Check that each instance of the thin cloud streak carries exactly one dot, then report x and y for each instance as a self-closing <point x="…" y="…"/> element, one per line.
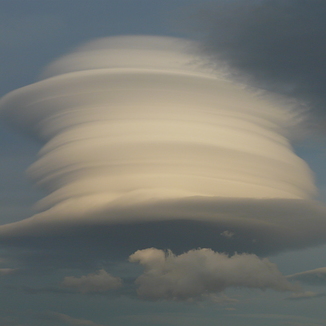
<point x="92" y="283"/>
<point x="313" y="277"/>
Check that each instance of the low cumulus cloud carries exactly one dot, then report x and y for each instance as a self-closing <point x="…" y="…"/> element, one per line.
<point x="200" y="272"/>
<point x="92" y="283"/>
<point x="141" y="138"/>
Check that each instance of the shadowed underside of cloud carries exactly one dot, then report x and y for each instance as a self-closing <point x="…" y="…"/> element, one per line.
<point x="259" y="226"/>
<point x="275" y="44"/>
<point x="144" y="147"/>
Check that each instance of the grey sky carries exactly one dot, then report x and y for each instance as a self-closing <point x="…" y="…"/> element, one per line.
<point x="275" y="44"/>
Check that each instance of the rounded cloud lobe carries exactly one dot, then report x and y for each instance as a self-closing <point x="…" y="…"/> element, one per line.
<point x="137" y="131"/>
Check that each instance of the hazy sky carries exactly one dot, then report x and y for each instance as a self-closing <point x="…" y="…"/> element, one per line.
<point x="175" y="155"/>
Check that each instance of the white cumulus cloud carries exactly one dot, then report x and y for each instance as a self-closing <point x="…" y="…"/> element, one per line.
<point x="203" y="271"/>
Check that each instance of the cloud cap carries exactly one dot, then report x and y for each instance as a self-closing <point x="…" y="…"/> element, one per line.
<point x="159" y="139"/>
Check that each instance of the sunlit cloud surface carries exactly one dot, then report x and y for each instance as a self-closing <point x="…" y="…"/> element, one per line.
<point x="139" y="129"/>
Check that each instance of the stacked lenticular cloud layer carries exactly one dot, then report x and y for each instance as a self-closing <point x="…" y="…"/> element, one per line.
<point x="139" y="125"/>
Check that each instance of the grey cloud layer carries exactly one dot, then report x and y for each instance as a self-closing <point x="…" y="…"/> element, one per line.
<point x="277" y="44"/>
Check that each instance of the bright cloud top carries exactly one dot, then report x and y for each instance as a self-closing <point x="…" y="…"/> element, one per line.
<point x="132" y="121"/>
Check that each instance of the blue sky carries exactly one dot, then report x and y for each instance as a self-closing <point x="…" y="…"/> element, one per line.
<point x="34" y="274"/>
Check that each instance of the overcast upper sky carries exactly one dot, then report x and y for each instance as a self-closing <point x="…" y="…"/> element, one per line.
<point x="175" y="154"/>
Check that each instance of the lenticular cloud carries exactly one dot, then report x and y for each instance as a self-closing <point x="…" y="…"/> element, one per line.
<point x="138" y="129"/>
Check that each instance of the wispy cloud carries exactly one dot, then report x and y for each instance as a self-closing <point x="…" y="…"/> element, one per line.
<point x="296" y="320"/>
<point x="7" y="271"/>
<point x="305" y="295"/>
<point x="314" y="277"/>
<point x="92" y="283"/>
<point x="66" y="319"/>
